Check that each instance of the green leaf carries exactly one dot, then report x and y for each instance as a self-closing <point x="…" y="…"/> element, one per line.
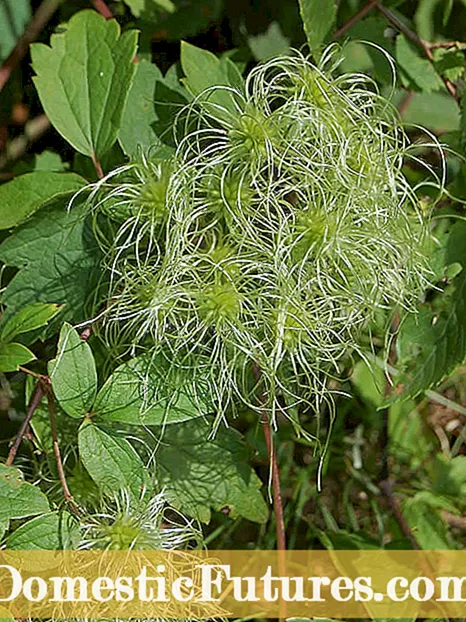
<point x="18" y="499"/>
<point x="29" y="318"/>
<point x="14" y="15"/>
<point x="140" y="119"/>
<point x="447" y="11"/>
<point x="58" y="260"/>
<point x="449" y="476"/>
<point x="432" y="343"/>
<point x="203" y="70"/>
<point x="73" y="373"/>
<point x="369" y="382"/>
<point x="436" y="111"/>
<point x="373" y="29"/>
<point x="111" y="461"/>
<point x="83" y="80"/>
<point x="12" y="355"/>
<point x="4" y="526"/>
<point x="147" y="391"/>
<point x="139" y="6"/>
<point x="427" y="525"/>
<point x="22" y="196"/>
<point x="49" y="532"/>
<point x="424" y="18"/>
<point x="418" y="72"/>
<point x="318" y="18"/>
<point x="449" y="63"/>
<point x="198" y="474"/>
<point x="270" y="43"/>
<point x="47" y="161"/>
<point x="189" y="18"/>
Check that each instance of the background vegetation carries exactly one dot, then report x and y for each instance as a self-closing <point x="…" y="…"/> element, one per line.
<point x="394" y="473"/>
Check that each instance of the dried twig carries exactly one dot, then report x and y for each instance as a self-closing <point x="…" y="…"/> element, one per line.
<point x="386" y="487"/>
<point x="410" y="34"/>
<point x="56" y="450"/>
<point x="355" y="19"/>
<point x="102" y="8"/>
<point x="36" y="398"/>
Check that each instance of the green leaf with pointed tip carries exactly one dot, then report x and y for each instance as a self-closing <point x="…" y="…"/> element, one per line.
<point x="112" y="462"/>
<point x="73" y="373"/>
<point x="416" y="72"/>
<point x="18" y="499"/>
<point x="12" y="355"/>
<point x="29" y="318"/>
<point x="198" y="474"/>
<point x="58" y="259"/>
<point x="50" y="532"/>
<point x="147" y="391"/>
<point x="270" y="43"/>
<point x="23" y="196"/>
<point x="83" y="80"/>
<point x="318" y="18"/>
<point x="203" y="70"/>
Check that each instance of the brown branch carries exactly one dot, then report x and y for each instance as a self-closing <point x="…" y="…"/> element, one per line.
<point x="276" y="487"/>
<point x="97" y="166"/>
<point x="33" y="130"/>
<point x="453" y="520"/>
<point x="412" y="36"/>
<point x="36" y="398"/>
<point x="56" y="450"/>
<point x="355" y="19"/>
<point x="445" y="44"/>
<point x="41" y="18"/>
<point x="386" y="487"/>
<point x="102" y="8"/>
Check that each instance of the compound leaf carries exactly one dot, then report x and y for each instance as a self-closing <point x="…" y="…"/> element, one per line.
<point x="83" y="80"/>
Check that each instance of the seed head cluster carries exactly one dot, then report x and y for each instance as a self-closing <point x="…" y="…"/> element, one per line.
<point x="264" y="246"/>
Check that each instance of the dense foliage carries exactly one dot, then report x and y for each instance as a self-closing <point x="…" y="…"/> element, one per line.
<point x="220" y="219"/>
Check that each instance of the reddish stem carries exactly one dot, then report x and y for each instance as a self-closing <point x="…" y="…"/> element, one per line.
<point x="102" y="8"/>
<point x="410" y="34"/>
<point x="277" y="493"/>
<point x="355" y="19"/>
<point x="33" y="30"/>
<point x="56" y="450"/>
<point x="36" y="397"/>
<point x="97" y="166"/>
